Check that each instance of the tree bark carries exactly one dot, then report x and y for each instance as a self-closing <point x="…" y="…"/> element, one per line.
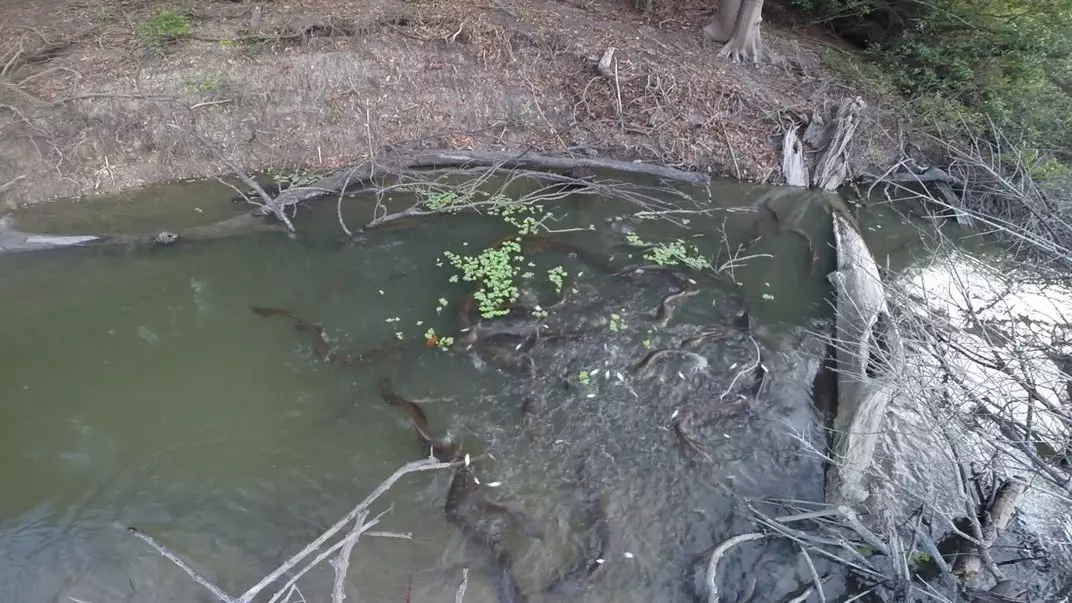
<point x="720" y="29"/>
<point x="737" y="24"/>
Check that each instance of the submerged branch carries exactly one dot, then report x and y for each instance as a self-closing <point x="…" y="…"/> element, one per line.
<point x="196" y="575"/>
<point x="719" y="552"/>
<point x="356" y="515"/>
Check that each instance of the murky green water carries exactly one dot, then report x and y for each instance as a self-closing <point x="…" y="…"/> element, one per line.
<point x="137" y="388"/>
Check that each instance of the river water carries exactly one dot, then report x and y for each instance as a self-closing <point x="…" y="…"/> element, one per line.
<point x="139" y="389"/>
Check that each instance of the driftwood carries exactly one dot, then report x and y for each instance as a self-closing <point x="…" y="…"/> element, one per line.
<point x="833" y="166"/>
<point x="794" y="167"/>
<point x="995" y="519"/>
<point x="13" y="240"/>
<point x="443" y="158"/>
<point x="867" y="349"/>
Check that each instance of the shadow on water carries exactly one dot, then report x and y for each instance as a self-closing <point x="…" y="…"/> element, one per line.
<point x="139" y="388"/>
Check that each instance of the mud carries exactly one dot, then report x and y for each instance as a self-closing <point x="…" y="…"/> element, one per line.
<point x="93" y="109"/>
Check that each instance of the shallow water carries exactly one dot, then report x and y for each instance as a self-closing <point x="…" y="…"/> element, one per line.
<point x="139" y="389"/>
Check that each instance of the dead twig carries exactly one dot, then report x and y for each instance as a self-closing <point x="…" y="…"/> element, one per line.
<point x="275" y="209"/>
<point x="459" y="596"/>
<point x="196" y="575"/>
<point x="719" y="552"/>
<point x="356" y="516"/>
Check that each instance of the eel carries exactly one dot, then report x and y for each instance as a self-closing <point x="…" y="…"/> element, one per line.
<point x="658" y="354"/>
<point x="707" y="335"/>
<point x="759" y="379"/>
<point x="444" y="451"/>
<point x="811" y="247"/>
<point x="571" y="577"/>
<point x="665" y="312"/>
<point x="682" y="422"/>
<point x="320" y="343"/>
<point x="463" y="489"/>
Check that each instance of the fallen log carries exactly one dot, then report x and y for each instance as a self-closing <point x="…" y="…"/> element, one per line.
<point x="356" y="176"/>
<point x="867" y="351"/>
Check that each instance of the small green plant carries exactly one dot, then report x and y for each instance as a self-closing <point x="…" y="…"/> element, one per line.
<point x="866" y="551"/>
<point x="673" y="253"/>
<point x="295" y="177"/>
<point x="557" y="276"/>
<point x="164" y="28"/>
<point x="919" y="558"/>
<point x="445" y="200"/>
<point x="495" y="270"/>
<point x="208" y="83"/>
<point x="584" y="378"/>
<point x="442" y="305"/>
<point x="521" y="217"/>
<point x="615" y="323"/>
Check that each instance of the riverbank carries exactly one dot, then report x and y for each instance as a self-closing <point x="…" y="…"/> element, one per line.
<point x="98" y="103"/>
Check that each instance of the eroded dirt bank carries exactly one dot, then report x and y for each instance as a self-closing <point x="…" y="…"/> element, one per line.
<point x="89" y="107"/>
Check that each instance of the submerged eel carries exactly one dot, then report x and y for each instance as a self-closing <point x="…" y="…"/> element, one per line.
<point x="446" y="452"/>
<point x="655" y="355"/>
<point x="463" y="490"/>
<point x="320" y="343"/>
<point x="682" y="422"/>
<point x="570" y="578"/>
<point x="666" y="310"/>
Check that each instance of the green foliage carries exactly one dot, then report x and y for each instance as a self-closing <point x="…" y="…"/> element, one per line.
<point x="166" y="27"/>
<point x="522" y="217"/>
<point x="615" y="324"/>
<point x="437" y="201"/>
<point x="918" y="558"/>
<point x="296" y="177"/>
<point x="208" y="83"/>
<point x="969" y="63"/>
<point x="674" y="253"/>
<point x="584" y="378"/>
<point x="495" y="271"/>
<point x="557" y="276"/>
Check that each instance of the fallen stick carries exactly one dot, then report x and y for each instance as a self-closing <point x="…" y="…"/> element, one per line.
<point x="459" y="596"/>
<point x="361" y="510"/>
<point x="719" y="552"/>
<point x="196" y="575"/>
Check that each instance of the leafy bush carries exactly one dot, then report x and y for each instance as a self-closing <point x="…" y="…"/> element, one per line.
<point x="975" y="63"/>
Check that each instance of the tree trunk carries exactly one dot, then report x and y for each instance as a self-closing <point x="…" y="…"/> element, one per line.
<point x="736" y="23"/>
<point x="721" y="27"/>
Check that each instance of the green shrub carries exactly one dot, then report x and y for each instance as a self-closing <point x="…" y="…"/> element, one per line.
<point x="978" y="64"/>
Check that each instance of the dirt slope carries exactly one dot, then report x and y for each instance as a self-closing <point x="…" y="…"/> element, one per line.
<point x="324" y="83"/>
